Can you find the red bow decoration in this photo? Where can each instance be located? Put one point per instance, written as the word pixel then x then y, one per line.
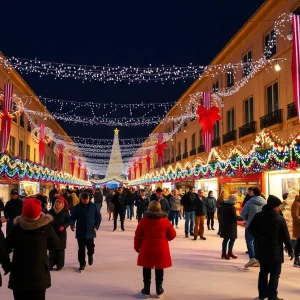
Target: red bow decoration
pixel 72 164
pixel 292 165
pixel 208 118
pixel 239 172
pixel 160 147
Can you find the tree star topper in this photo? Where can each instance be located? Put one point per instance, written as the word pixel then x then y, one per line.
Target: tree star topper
pixel 116 131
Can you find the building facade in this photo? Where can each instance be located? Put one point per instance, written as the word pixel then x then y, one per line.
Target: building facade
pixel 21 144
pixel 266 101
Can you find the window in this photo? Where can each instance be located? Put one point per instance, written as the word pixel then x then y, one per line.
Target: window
pixel 34 155
pixel 194 141
pixel 179 148
pixel 247 58
pixel 36 123
pixel 185 123
pixel 173 152
pixel 12 143
pixel 22 120
pixel 28 127
pixel 215 87
pixel 1 105
pixel 217 130
pixel 179 129
pixel 21 149
pixel 248 110
pixel 272 97
pixel 14 108
pixel 185 145
pixel 297 11
pixel 270 44
pixel 193 112
pixel 230 79
pixel 27 151
pixel 200 138
pixel 230 120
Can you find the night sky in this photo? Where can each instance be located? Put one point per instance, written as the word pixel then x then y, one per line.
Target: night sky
pixel 119 32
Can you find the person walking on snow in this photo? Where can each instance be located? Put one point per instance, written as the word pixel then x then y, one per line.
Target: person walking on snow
pixel 270 232
pixel 295 211
pixel 211 207
pixel 252 207
pixel 200 213
pixel 151 241
pixel 158 196
pixel 87 218
pixel 29 241
pixel 61 221
pixel 120 201
pixel 142 205
pixel 174 201
pixel 189 211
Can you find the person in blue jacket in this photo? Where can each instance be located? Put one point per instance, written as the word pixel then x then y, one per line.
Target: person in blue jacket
pixel 87 218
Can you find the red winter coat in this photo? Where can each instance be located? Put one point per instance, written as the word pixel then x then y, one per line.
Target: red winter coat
pixel 151 240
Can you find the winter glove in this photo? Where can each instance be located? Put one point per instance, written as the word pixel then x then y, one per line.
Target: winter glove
pixel 61 228
pixel 73 228
pixel 291 255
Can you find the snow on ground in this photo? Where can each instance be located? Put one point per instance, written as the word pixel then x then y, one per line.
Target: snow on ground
pixel 197 272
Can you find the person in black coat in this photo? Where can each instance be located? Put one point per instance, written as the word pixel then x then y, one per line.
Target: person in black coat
pixel 270 232
pixel 229 226
pixel 61 221
pixel 98 198
pixel 164 203
pixel 87 218
pixel 131 196
pixel 189 211
pixel 120 201
pixel 199 205
pixel 142 205
pixel 29 240
pixel 248 196
pixel 4 258
pixel 12 209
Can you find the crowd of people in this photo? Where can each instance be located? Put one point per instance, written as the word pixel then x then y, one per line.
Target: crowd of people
pixel 36 231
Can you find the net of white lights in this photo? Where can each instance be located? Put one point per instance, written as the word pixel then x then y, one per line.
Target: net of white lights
pixel 129 74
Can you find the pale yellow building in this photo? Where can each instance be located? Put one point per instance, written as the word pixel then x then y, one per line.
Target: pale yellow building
pixel 266 101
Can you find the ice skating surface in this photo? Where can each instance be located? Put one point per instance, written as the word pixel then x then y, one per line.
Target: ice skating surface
pixel 197 272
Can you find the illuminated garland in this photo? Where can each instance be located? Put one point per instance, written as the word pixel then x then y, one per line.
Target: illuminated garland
pixel 267 153
pixel 16 168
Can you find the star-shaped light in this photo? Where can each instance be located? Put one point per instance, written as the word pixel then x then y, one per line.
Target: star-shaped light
pixel 116 131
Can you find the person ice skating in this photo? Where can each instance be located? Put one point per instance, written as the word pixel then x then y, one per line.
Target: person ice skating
pixel 4 258
pixel 141 205
pixel 158 196
pixel 211 207
pixel 220 202
pixel 12 209
pixel 253 206
pixel 174 201
pixel 119 200
pixel 61 221
pixel 295 212
pixel 200 213
pixel 229 227
pixel 87 218
pixel 189 211
pixel 29 240
pixel 270 232
pixel 151 241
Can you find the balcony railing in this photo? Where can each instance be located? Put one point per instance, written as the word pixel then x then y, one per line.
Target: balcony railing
pixel 229 136
pixel 201 148
pixel 291 110
pixel 216 142
pixel 185 155
pixel 273 118
pixel 178 157
pixel 247 129
pixel 193 152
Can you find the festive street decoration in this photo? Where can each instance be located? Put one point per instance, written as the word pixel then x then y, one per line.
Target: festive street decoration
pixel 148 160
pixel 292 166
pixel 79 168
pixel 60 148
pixel 16 168
pixel 72 164
pixel 160 148
pixel 296 61
pixel 267 153
pixel 208 116
pixel 141 166
pixel 8 114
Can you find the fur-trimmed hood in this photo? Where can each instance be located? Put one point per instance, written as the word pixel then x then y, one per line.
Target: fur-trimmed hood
pixel 42 221
pixel 155 215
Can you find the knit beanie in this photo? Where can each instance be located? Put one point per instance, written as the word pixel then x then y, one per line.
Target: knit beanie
pixel 273 202
pixel 31 208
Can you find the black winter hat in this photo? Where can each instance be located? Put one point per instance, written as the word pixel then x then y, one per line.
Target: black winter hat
pixel 273 202
pixel 14 192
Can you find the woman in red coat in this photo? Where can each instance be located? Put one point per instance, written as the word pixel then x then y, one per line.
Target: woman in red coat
pixel 151 241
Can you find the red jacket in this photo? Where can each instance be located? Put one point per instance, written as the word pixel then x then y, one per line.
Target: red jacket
pixel 151 240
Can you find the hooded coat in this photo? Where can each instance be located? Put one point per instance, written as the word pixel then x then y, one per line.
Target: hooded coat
pixel 295 211
pixel 151 240
pixel 4 258
pixel 29 243
pixel 251 208
pixel 270 232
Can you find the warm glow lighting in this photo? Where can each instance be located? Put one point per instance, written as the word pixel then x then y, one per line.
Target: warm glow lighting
pixel 277 67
